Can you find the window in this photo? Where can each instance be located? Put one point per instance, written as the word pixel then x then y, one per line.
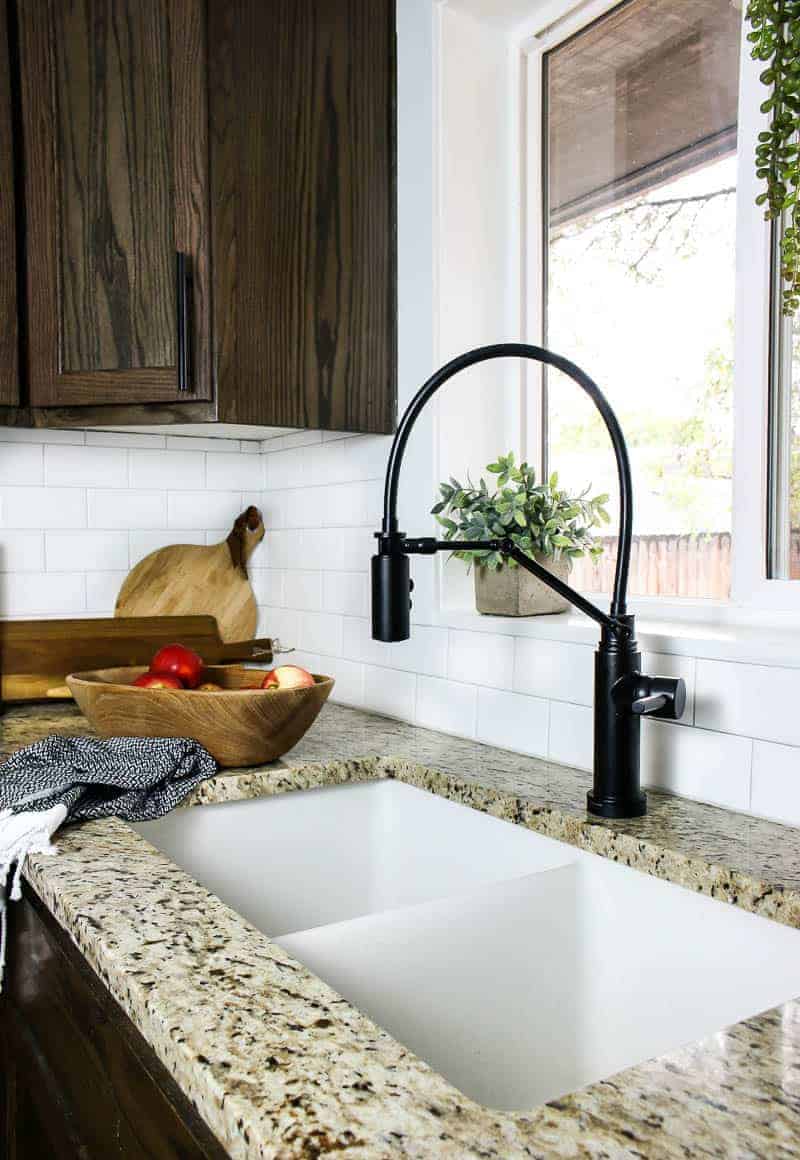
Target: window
pixel 596 194
pixel 639 177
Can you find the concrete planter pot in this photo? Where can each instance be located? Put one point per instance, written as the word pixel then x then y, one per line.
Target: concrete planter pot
pixel 515 592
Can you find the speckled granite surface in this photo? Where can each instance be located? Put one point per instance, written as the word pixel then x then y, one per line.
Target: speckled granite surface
pixel 280 1066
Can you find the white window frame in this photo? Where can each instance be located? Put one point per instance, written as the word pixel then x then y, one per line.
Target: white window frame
pixel 751 590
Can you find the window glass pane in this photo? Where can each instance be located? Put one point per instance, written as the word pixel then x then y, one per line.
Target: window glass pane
pixel 640 140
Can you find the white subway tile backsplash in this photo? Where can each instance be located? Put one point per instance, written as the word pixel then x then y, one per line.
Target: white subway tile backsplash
pixel 555 669
pixel 35 594
pixel 273 509
pixel 21 551
pixel 697 763
pixel 303 507
pixel 267 584
pixel 425 652
pixel 320 632
pixel 776 782
pixel 86 551
pixel 345 592
pixel 85 467
pixel 170 470
pixel 127 509
pixel 21 463
pixel 317 548
pixel 390 692
pixel 42 507
pixel 203 509
pixel 755 700
pixel 571 738
pixel 347 505
pixel 142 543
pixel 447 705
pixel 481 658
pixel 303 590
pixel 366 457
pixel 349 677
pixel 513 721
pixel 78 509
pixel 233 469
pixel 356 549
pixel 290 468
pixel 280 624
pixel 282 549
pixel 102 589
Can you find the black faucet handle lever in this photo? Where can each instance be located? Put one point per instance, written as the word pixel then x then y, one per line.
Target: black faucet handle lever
pixel 662 697
pixel 649 704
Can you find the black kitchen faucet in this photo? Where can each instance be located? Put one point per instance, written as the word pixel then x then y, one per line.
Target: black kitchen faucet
pixel 622 693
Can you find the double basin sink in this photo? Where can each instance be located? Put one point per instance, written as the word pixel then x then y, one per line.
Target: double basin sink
pixel 517 966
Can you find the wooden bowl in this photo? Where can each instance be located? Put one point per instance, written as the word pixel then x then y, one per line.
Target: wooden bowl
pixel 238 726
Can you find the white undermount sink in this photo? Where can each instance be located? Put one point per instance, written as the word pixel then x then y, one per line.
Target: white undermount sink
pixel 517 966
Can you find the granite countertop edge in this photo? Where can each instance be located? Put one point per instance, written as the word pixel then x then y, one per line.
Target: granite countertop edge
pixel 280 1066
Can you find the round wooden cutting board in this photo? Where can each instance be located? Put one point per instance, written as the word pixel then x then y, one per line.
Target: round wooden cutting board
pixel 186 579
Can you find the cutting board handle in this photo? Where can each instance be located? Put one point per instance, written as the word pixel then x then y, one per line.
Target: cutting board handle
pixel 259 649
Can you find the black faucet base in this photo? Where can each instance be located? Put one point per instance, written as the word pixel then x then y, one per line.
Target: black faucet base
pixel 614 807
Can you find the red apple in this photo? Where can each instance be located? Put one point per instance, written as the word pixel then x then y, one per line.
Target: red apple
pixel 180 662
pixel 158 681
pixel 209 687
pixel 287 677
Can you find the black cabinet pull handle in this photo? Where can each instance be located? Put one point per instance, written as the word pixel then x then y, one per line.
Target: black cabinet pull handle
pixel 183 335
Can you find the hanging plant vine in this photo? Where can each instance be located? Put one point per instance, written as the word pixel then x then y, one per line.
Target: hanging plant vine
pixel 775 37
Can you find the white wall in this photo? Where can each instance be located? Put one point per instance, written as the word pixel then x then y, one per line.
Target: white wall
pixel 78 509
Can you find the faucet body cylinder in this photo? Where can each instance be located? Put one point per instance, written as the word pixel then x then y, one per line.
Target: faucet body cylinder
pixel 616 792
pixel 391 597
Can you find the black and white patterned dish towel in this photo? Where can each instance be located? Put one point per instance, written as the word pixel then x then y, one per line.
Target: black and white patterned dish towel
pixel 76 779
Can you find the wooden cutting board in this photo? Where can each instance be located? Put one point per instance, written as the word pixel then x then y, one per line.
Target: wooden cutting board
pixel 37 655
pixel 186 579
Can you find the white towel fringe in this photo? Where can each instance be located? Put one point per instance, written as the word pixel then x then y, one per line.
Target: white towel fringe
pixel 21 834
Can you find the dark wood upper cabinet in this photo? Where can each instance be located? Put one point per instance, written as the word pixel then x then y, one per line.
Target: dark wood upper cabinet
pixel 115 132
pixel 9 328
pixel 303 204
pixel 256 137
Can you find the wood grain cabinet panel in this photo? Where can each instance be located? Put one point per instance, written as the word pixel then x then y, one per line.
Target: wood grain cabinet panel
pixel 9 330
pixel 303 197
pixel 114 108
pixel 76 1077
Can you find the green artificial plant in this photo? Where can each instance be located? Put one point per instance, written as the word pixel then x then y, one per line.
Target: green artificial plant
pixel 775 40
pixel 541 519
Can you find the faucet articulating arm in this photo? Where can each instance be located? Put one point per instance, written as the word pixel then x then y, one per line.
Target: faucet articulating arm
pixel 426 546
pixel 623 694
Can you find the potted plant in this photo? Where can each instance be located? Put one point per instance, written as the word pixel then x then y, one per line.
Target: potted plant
pixel 549 524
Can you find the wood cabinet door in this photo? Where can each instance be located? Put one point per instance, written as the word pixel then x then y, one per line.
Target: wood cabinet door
pixel 114 110
pixel 9 331
pixel 302 111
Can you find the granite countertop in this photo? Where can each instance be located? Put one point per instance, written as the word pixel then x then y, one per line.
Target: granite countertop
pixel 280 1066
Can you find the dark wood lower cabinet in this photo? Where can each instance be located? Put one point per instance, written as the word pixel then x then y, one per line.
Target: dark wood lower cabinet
pixel 77 1080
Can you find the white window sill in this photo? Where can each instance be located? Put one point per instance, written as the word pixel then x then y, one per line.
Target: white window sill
pixel 726 634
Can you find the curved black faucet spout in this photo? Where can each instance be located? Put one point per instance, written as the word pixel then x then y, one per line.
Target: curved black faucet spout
pixel 622 693
pixel 541 355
